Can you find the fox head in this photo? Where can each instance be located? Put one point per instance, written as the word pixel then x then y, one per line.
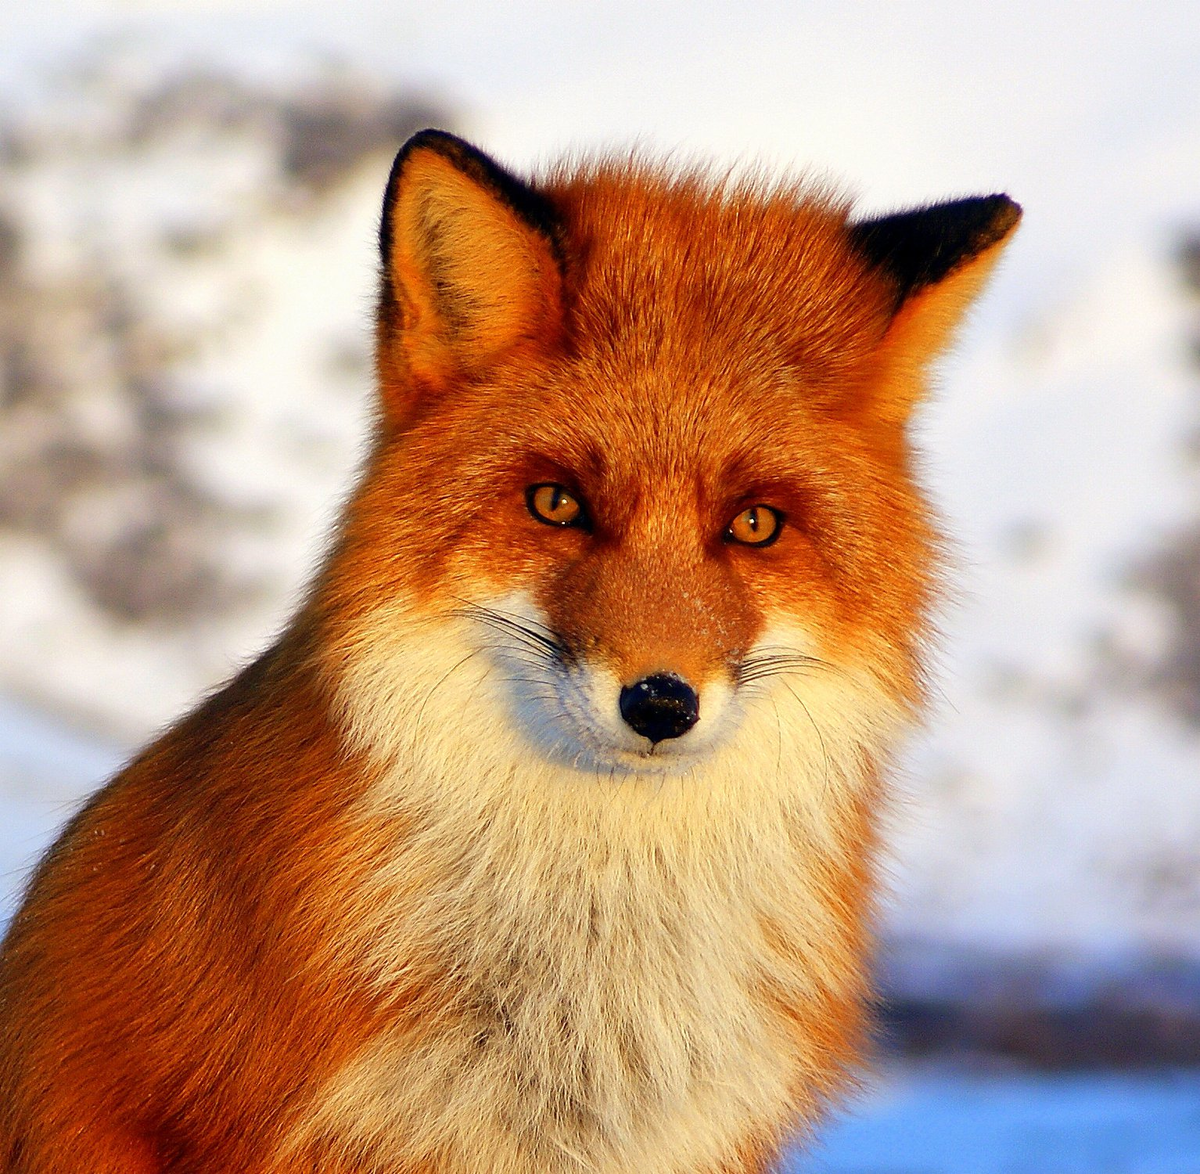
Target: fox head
pixel 641 484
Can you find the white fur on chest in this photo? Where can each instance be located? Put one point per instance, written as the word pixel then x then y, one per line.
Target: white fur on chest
pixel 598 941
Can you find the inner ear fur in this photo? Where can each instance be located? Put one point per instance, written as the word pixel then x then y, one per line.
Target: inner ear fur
pixel 471 266
pixel 936 261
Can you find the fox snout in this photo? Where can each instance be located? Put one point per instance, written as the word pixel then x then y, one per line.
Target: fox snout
pixel 584 699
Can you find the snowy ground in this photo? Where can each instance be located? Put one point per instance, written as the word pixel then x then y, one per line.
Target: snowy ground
pixel 948 1123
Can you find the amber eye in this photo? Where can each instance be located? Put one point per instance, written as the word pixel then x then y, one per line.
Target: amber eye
pixel 555 506
pixel 757 526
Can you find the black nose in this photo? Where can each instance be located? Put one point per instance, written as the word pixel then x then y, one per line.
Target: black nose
pixel 661 706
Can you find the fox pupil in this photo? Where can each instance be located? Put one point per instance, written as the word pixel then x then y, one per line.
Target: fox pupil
pixel 554 505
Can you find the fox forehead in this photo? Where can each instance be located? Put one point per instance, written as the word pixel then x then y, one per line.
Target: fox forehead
pixel 691 318
pixel 684 270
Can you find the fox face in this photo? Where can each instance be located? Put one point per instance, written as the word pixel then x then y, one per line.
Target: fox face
pixel 643 443
pixel 635 564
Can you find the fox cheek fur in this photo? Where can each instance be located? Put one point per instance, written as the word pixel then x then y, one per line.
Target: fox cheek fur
pixel 541 839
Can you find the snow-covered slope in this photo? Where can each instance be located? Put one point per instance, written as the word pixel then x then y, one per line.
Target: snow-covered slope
pixel 186 384
pixel 958 1123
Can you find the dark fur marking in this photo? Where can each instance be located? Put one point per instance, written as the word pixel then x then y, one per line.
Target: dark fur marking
pixel 921 247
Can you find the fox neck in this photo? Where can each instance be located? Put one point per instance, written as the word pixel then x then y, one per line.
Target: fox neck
pixel 598 963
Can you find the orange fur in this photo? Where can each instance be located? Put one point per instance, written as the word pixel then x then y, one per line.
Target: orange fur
pixel 379 906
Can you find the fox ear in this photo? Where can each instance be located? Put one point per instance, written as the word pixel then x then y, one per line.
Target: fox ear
pixel 936 261
pixel 470 266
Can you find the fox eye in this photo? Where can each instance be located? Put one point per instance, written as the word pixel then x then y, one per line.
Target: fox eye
pixel 757 526
pixel 555 505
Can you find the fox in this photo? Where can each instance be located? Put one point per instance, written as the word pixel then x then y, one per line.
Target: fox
pixel 543 839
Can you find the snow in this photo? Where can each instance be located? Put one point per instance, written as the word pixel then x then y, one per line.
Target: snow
pixel 953 1123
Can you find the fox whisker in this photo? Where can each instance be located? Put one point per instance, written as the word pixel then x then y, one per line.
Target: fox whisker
pixel 535 637
pixel 770 662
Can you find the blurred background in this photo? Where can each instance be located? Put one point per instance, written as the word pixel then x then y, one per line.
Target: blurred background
pixel 188 200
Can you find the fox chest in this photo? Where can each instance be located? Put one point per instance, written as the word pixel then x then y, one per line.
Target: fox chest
pixel 597 1035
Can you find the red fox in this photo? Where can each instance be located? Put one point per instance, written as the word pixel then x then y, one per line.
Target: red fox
pixel 541 840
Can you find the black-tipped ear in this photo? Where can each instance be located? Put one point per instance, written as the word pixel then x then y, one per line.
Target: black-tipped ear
pixel 922 247
pixel 934 262
pixel 530 205
pixel 472 268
